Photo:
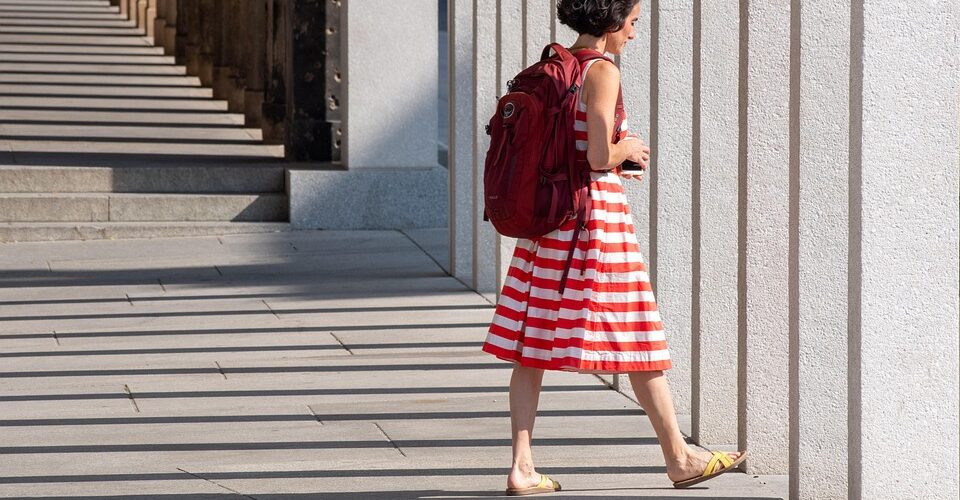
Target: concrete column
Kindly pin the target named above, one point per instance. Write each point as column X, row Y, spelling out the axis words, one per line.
column 210, row 25
column 486, row 242
column 511, row 38
column 818, row 416
column 714, row 317
column 537, row 29
column 635, row 74
column 904, row 268
column 764, row 210
column 396, row 128
column 671, row 176
column 561, row 33
column 463, row 127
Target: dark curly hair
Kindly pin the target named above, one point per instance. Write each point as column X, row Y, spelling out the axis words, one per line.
column 594, row 17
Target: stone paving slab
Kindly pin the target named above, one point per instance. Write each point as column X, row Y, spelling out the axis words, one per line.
column 341, row 365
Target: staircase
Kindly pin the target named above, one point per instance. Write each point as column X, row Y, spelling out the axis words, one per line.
column 102, row 136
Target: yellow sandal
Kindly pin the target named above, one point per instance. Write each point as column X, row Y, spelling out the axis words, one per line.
column 546, row 485
column 718, row 464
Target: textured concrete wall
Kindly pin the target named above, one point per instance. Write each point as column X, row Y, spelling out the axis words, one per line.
column 462, row 130
column 487, row 247
column 392, row 125
column 714, row 345
column 764, row 327
column 671, row 174
column 908, row 262
column 818, row 420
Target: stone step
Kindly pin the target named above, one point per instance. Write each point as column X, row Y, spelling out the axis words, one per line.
column 75, row 131
column 37, row 89
column 94, row 69
column 145, row 207
column 79, row 49
column 86, row 58
column 58, row 231
column 97, row 103
column 94, row 79
column 147, row 179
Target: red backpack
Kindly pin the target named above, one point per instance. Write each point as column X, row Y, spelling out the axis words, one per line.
column 532, row 181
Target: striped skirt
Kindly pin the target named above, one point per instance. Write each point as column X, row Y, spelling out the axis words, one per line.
column 606, row 320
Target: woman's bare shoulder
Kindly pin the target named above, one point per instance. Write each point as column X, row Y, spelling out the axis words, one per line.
column 603, row 77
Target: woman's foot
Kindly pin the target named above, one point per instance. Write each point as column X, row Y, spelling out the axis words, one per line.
column 520, row 483
column 692, row 464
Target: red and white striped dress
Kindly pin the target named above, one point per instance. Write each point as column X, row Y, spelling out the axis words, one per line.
column 607, row 320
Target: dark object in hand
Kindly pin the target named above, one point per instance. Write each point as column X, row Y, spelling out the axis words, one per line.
column 631, row 166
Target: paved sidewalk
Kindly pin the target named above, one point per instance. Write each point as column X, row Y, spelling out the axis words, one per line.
column 333, row 365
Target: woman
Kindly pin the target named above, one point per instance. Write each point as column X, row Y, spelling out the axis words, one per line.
column 606, row 319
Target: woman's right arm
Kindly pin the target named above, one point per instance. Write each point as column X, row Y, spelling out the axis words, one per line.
column 601, row 88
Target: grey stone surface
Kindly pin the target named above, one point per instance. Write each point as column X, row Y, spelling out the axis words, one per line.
column 367, row 198
column 55, row 231
column 486, row 244
column 671, row 267
column 821, row 440
column 764, row 379
column 908, row 269
column 268, row 207
column 715, row 369
column 462, row 146
column 53, row 208
column 397, row 127
column 386, row 409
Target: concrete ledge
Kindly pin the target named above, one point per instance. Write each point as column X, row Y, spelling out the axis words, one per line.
column 388, row 198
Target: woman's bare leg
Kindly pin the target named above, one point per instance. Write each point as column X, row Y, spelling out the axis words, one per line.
column 524, row 397
column 653, row 393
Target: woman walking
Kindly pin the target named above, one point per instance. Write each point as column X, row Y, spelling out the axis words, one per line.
column 606, row 319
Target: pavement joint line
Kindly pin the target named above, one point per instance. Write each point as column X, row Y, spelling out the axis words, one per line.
column 340, row 342
column 275, row 315
column 55, row 338
column 160, row 282
column 218, row 270
column 220, row 369
column 314, row 415
column 130, row 300
column 395, row 446
column 616, row 389
column 220, row 240
column 215, row 483
column 126, row 389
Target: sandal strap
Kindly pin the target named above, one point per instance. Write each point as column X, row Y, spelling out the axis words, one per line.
column 718, row 462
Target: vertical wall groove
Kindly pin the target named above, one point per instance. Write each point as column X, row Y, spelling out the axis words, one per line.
column 696, row 229
column 654, row 131
column 742, row 228
column 793, row 280
column 854, row 262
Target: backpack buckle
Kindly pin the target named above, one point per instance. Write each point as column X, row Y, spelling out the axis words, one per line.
column 574, row 88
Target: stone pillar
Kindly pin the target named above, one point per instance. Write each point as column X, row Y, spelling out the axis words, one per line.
column 170, row 30
column 394, row 126
column 238, row 49
column 142, row 16
column 210, row 24
column 224, row 43
column 309, row 134
column 764, row 237
column 463, row 126
column 671, row 175
column 160, row 23
column 188, row 35
column 254, row 66
column 715, row 187
column 486, row 242
column 904, row 262
column 277, row 71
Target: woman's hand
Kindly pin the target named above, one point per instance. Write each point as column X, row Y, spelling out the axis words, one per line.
column 637, row 152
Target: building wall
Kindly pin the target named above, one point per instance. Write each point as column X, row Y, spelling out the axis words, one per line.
column 800, row 218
